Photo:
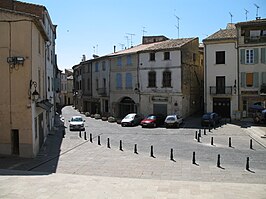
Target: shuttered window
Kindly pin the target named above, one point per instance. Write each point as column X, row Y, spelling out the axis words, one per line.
column 152, row 79
column 263, row 55
column 249, row 79
column 118, row 81
column 128, row 81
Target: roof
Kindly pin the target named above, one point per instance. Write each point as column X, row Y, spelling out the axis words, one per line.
column 223, row 34
column 163, row 45
column 258, row 21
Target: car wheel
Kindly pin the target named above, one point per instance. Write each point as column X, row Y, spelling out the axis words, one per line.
column 154, row 125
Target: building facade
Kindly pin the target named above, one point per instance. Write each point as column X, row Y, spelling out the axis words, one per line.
column 25, row 122
column 221, row 73
column 251, row 40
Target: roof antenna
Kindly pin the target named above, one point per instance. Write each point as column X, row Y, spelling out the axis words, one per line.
column 231, row 17
column 246, row 13
column 257, row 14
column 177, row 27
column 143, row 31
column 131, row 34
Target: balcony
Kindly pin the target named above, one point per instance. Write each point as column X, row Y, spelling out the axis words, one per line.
column 102, row 92
column 227, row 90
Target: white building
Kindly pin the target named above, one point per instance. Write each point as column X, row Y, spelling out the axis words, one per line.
column 221, row 73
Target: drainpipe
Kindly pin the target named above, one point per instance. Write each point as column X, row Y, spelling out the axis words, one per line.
column 9, row 76
column 205, row 79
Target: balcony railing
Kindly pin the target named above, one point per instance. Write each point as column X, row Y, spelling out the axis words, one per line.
column 227, row 90
column 102, row 91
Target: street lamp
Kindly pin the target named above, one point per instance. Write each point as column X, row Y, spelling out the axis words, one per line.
column 34, row 95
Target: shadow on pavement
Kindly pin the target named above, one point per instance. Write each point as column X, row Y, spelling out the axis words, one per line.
column 46, row 160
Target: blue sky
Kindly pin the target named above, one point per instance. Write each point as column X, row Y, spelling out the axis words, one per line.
column 95, row 26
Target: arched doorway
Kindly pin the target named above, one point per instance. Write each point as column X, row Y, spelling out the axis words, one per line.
column 126, row 106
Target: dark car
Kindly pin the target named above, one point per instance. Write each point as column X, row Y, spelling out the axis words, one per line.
column 210, row 119
column 153, row 120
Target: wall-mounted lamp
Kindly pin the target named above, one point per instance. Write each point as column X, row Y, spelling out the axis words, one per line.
column 235, row 87
column 33, row 95
column 13, row 61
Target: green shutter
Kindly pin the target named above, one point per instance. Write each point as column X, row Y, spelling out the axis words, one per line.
column 263, row 55
column 242, row 56
column 243, row 80
column 263, row 78
column 256, row 80
column 256, row 55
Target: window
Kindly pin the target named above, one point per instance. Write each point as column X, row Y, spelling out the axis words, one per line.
column 96, row 67
column 220, row 57
column 250, row 56
column 103, row 66
column 128, row 80
column 250, row 79
column 118, row 81
column 166, row 55
column 97, row 84
column 152, row 79
column 166, row 79
column 129, row 61
column 119, row 61
column 89, row 84
column 152, row 56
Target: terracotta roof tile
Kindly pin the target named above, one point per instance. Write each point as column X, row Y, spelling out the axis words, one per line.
column 222, row 34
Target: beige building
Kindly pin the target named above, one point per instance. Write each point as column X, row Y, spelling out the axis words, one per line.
column 23, row 103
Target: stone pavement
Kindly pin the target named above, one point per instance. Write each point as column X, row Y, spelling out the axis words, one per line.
column 72, row 167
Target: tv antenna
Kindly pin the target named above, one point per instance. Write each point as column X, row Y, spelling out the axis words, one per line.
column 127, row 38
column 177, row 26
column 246, row 13
column 122, row 46
column 143, row 31
column 257, row 14
column 131, row 35
column 231, row 17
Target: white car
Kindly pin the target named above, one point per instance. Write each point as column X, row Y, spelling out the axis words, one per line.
column 131, row 119
column 173, row 121
column 76, row 123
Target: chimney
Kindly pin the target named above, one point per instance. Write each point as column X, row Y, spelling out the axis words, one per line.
column 114, row 49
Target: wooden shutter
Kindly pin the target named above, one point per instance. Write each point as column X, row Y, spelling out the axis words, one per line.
column 256, row 55
column 263, row 78
column 249, row 79
column 242, row 56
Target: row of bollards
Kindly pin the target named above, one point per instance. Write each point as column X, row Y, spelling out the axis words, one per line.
column 197, row 136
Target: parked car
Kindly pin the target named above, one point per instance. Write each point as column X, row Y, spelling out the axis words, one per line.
column 76, row 123
column 153, row 120
column 173, row 121
column 131, row 119
column 210, row 119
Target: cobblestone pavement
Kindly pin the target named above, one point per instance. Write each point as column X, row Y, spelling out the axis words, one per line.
column 79, row 158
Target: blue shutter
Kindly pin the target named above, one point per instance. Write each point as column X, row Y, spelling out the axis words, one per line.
column 263, row 78
column 118, row 81
column 243, row 80
column 128, row 80
column 129, row 60
column 256, row 79
column 242, row 56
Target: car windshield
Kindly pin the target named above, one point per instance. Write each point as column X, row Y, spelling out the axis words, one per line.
column 172, row 118
column 151, row 117
column 206, row 116
column 76, row 119
column 129, row 117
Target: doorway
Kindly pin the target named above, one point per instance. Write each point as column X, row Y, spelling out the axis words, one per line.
column 15, row 141
column 220, row 85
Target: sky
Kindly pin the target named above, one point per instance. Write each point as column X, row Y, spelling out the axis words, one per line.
column 87, row 27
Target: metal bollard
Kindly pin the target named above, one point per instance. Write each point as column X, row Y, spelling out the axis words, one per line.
column 199, row 133
column 209, row 128
column 90, row 138
column 194, row 158
column 172, row 154
column 204, row 131
column 247, row 164
column 250, row 144
column 108, row 143
column 120, row 145
column 211, row 140
column 219, row 161
column 198, row 138
column 151, row 151
column 99, row 140
column 85, row 135
column 80, row 133
column 135, row 149
column 230, row 142
column 196, row 135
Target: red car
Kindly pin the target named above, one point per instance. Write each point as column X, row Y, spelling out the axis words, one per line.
column 153, row 120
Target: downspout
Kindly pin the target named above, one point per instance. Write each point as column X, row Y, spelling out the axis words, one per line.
column 138, row 83
column 9, row 75
column 205, row 79
column 238, row 82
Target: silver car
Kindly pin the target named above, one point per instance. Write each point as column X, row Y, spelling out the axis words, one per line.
column 173, row 121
